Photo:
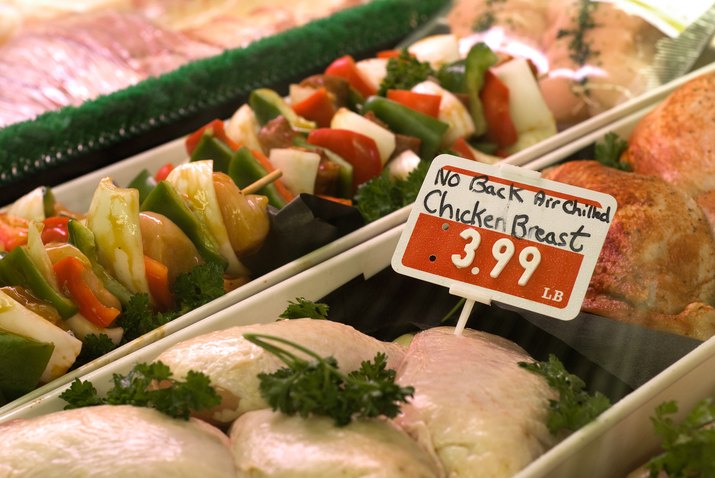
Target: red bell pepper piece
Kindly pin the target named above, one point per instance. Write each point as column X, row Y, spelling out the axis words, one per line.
column 163, row 172
column 318, row 107
column 280, row 187
column 55, row 229
column 70, row 275
column 214, row 128
column 495, row 101
column 13, row 231
column 345, row 67
column 388, row 54
column 157, row 276
column 422, row 102
column 461, row 147
column 355, row 148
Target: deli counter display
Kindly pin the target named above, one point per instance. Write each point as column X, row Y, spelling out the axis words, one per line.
column 223, row 304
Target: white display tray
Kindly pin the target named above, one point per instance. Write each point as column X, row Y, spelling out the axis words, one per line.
column 76, row 195
column 618, row 441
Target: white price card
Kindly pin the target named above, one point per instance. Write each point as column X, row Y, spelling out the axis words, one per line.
column 506, row 234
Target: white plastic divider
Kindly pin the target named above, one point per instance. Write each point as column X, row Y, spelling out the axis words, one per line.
column 367, row 259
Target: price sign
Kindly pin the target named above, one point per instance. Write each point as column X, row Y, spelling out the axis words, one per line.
column 506, row 234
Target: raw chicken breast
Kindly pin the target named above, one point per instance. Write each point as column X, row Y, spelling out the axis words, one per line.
column 656, row 265
column 621, row 45
column 113, row 441
column 270, row 444
column 233, row 362
column 676, row 141
column 482, row 414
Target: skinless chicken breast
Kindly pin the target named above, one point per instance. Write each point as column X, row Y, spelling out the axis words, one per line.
column 233, row 362
column 269, row 444
column 113, row 441
column 480, row 413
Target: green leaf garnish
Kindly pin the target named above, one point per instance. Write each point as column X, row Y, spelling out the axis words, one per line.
column 575, row 406
column 318, row 387
column 380, row 196
column 404, row 72
column 608, row 152
column 305, row 308
column 149, row 385
column 93, row 346
column 688, row 446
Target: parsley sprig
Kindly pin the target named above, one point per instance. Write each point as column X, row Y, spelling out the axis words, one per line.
column 303, row 308
column 381, row 195
column 404, row 72
column 148, row 385
column 687, row 446
column 318, row 387
column 608, row 152
column 575, row 406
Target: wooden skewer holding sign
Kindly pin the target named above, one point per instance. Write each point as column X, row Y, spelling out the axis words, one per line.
column 264, row 181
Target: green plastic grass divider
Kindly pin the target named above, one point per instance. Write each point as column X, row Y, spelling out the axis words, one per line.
column 56, row 139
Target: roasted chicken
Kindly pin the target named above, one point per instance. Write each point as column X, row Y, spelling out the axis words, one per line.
column 676, row 141
column 656, row 266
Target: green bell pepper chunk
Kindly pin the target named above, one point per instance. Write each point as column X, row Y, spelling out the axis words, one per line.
column 165, row 200
column 407, row 121
column 17, row 268
column 479, row 59
column 245, row 169
column 210, row 147
column 267, row 105
column 144, row 182
column 22, row 361
column 48, row 201
column 467, row 76
column 83, row 238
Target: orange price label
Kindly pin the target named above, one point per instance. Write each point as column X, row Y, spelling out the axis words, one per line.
column 505, row 233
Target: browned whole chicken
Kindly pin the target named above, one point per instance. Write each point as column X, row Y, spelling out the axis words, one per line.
column 676, row 141
column 656, row 266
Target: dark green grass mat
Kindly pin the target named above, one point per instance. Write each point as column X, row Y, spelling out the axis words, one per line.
column 61, row 145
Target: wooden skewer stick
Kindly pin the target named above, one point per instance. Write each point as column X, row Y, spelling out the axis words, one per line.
column 264, row 181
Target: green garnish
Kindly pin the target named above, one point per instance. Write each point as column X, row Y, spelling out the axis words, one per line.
column 200, row 286
column 192, row 289
column 138, row 318
column 93, row 346
column 608, row 152
column 380, row 196
column 688, row 446
column 484, row 22
column 149, row 385
column 305, row 308
column 404, row 72
column 317, row 387
column 575, row 406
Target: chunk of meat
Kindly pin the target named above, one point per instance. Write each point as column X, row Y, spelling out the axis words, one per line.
column 675, row 141
column 269, row 444
column 655, row 268
column 233, row 362
column 113, row 441
column 474, row 406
